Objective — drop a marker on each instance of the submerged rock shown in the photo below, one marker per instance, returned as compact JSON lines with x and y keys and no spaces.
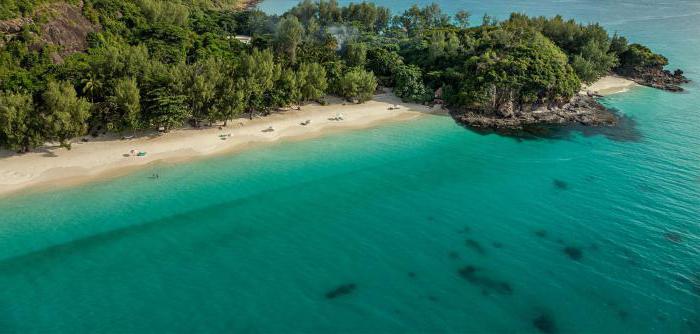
{"x":342,"y":290}
{"x":559,"y":184}
{"x":467,"y":272}
{"x":487,"y":284}
{"x":622,"y":314}
{"x":545,"y":324}
{"x":674,"y":237}
{"x":574,"y":253}
{"x":695,"y":283}
{"x":541,"y":233}
{"x":475,"y":246}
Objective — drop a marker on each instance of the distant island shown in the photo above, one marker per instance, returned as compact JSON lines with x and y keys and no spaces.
{"x":76,"y":68}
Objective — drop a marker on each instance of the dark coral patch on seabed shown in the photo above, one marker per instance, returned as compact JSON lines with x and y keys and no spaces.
{"x":674,"y":237}
{"x":466,"y":229}
{"x":545,"y":324}
{"x":475,"y":246}
{"x":341,"y":290}
{"x":541,"y":233}
{"x":559,"y":184}
{"x":488,"y":284}
{"x":574,"y":253}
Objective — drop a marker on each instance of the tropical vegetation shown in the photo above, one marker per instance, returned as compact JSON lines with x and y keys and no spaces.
{"x":156,"y":64}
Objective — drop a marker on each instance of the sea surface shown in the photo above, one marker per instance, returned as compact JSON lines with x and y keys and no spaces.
{"x":419,"y":227}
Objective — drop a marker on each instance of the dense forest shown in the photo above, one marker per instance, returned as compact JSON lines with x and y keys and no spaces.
{"x":154,"y":64}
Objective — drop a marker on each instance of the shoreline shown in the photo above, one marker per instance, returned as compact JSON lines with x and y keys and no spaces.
{"x":105,"y":157}
{"x":51,"y":167}
{"x":609,"y":85}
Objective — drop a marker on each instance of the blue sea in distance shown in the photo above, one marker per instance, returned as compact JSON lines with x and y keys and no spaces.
{"x":428,"y":226}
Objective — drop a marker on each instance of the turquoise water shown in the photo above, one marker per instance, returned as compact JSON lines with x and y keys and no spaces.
{"x":439,"y":229}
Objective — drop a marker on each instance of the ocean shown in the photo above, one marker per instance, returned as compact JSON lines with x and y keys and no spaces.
{"x":421,"y":226}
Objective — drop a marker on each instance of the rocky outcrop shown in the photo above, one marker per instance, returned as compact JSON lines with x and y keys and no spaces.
{"x":581,"y":109}
{"x":14,"y":26}
{"x":60,"y":24}
{"x":65,"y":27}
{"x":656,"y":77}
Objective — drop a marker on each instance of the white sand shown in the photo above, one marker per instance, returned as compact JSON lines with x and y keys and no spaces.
{"x":610,"y":85}
{"x":49,"y":167}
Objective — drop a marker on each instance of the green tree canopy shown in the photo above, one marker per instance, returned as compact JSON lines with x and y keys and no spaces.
{"x":18,"y":122}
{"x":409,"y":84}
{"x":532,"y":70}
{"x":356,"y":54}
{"x":257,"y":75}
{"x":313,"y":81}
{"x":290,"y":33}
{"x":639,"y":56}
{"x":358,"y":84}
{"x":127,"y":103}
{"x":64,"y":112}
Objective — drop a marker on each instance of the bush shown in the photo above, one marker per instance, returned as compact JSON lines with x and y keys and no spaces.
{"x":409,"y":84}
{"x":639,"y":56}
{"x":358,"y":84}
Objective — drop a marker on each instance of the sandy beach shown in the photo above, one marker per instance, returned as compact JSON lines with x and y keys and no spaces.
{"x":107,"y":156}
{"x":610,"y":85}
{"x":49,"y":167}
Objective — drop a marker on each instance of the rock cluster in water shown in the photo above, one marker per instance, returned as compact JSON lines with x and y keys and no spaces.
{"x":581,"y":109}
{"x":657,"y":77}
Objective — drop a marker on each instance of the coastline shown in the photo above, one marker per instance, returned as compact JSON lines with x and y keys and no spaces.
{"x":582,"y":108}
{"x":50,"y":167}
{"x":611,"y":84}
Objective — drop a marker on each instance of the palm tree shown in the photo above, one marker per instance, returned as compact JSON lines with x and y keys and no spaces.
{"x":90,"y":85}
